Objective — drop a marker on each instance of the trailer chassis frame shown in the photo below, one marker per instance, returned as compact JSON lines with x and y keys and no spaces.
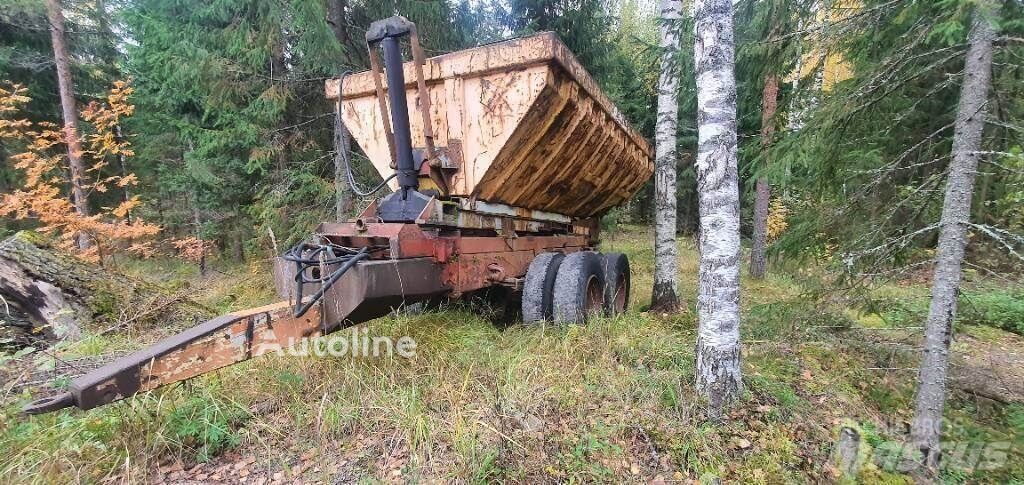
{"x":454,"y":247}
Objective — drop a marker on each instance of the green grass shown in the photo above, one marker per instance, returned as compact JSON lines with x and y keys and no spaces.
{"x":609,"y":402}
{"x":984,"y":305}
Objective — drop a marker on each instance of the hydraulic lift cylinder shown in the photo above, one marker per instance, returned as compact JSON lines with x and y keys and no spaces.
{"x":407,"y":176}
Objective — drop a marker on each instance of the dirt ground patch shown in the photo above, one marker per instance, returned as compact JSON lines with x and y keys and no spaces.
{"x":991,"y":368}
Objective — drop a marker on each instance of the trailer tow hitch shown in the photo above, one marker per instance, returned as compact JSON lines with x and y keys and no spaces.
{"x":356,"y":290}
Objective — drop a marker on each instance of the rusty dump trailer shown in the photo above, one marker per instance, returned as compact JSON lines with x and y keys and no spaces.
{"x":500,"y":160}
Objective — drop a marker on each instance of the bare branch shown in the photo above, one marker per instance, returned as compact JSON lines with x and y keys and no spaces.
{"x":1001,"y":235}
{"x":904,"y":240}
{"x":990,"y":272}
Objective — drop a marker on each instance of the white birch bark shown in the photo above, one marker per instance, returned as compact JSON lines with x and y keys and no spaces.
{"x":956,"y":210}
{"x":664,"y":296}
{"x":718,"y":295}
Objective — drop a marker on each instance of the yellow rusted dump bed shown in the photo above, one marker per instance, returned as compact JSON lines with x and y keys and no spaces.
{"x":524,"y":122}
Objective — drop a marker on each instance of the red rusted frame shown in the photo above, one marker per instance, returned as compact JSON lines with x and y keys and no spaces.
{"x":469,"y":262}
{"x":421,"y":262}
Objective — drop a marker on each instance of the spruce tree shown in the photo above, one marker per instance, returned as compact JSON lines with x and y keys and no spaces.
{"x":955,"y":222}
{"x":231,"y":112}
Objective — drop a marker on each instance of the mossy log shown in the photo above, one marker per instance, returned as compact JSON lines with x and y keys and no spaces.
{"x":63,"y":295}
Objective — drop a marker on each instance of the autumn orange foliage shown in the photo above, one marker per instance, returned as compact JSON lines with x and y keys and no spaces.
{"x":43,"y":160}
{"x":193,"y":248}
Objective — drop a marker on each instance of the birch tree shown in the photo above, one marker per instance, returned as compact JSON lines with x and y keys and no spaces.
{"x":663,"y":296}
{"x":69,"y":110}
{"x":956,"y":210}
{"x":718,"y":295}
{"x":769,"y":102}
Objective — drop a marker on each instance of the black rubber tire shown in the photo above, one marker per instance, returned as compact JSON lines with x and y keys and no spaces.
{"x":538,"y":287}
{"x":616,"y":283}
{"x":579,"y":288}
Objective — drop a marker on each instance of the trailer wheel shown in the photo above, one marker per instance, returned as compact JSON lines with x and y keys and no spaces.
{"x":579,"y":288}
{"x":539,"y":286}
{"x":616,"y":283}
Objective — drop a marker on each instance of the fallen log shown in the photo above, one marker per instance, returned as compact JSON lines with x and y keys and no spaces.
{"x":993,"y":370}
{"x":990,"y":369}
{"x":62,"y":295}
{"x":15,"y":326}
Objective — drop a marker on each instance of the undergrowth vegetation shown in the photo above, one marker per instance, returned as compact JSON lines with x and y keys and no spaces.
{"x":983,"y":305}
{"x":606,"y":402}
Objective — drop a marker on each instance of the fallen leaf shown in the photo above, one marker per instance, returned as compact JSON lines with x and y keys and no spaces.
{"x":740,"y":443}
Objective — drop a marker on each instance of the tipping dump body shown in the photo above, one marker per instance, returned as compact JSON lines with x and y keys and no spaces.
{"x":522,"y":120}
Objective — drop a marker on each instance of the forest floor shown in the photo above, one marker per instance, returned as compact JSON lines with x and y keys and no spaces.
{"x":611,"y":401}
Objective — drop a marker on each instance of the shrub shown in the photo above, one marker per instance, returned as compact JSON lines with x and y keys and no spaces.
{"x":997,"y":308}
{"x":205,"y":425}
{"x":1003,"y":309}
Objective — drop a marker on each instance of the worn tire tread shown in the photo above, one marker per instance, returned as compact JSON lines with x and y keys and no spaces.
{"x":536,"y":304}
{"x":570,"y":286}
{"x":614,"y":264}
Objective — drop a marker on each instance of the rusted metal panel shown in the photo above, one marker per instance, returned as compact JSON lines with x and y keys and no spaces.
{"x":526,"y":123}
{"x":485,"y":261}
{"x":373,"y":289}
{"x":283,"y":272}
{"x":402,"y":240}
{"x":480,"y":270}
{"x":216,"y":343}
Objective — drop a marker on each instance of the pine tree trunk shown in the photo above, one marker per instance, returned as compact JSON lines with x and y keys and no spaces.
{"x":197,"y":221}
{"x":336,"y":18}
{"x":663,"y":296}
{"x":65,"y":86}
{"x":108,"y":50}
{"x":769,"y":102}
{"x":718,"y":294}
{"x":343,"y":193}
{"x":956,"y":210}
{"x":279,"y":75}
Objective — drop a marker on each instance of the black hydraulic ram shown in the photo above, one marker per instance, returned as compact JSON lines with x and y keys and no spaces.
{"x":408,"y":179}
{"x":406,"y":204}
